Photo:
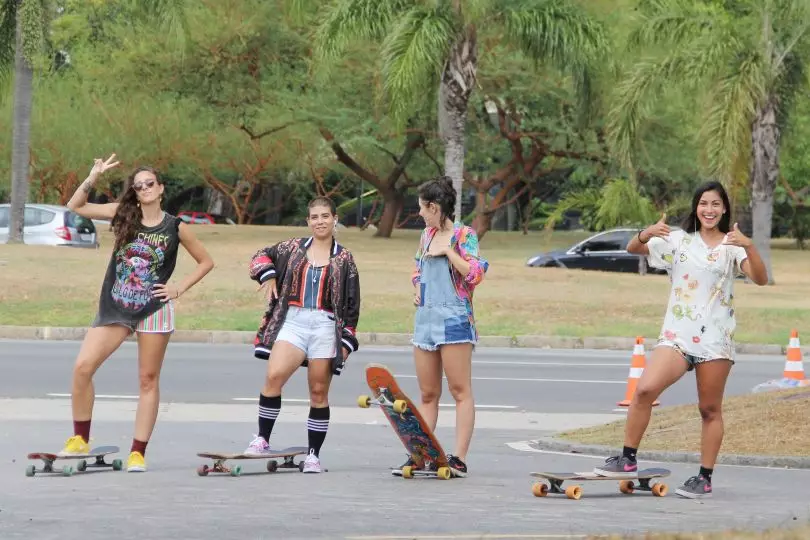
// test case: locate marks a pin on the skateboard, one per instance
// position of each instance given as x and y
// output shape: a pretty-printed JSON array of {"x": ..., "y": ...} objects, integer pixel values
[
  {"x": 626, "y": 485},
  {"x": 413, "y": 431},
  {"x": 272, "y": 466},
  {"x": 98, "y": 453}
]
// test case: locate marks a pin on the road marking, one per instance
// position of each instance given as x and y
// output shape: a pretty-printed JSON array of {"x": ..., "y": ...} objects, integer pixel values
[
  {"x": 101, "y": 396},
  {"x": 524, "y": 446},
  {"x": 295, "y": 400},
  {"x": 565, "y": 364},
  {"x": 520, "y": 379}
]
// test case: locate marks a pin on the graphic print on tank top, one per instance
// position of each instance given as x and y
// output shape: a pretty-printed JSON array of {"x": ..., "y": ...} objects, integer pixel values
[{"x": 136, "y": 270}]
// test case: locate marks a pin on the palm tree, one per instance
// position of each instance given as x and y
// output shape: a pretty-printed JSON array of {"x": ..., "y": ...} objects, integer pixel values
[
  {"x": 745, "y": 59},
  {"x": 430, "y": 51},
  {"x": 23, "y": 27}
]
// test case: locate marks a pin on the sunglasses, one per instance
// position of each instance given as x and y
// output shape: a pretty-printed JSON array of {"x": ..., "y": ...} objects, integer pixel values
[{"x": 143, "y": 185}]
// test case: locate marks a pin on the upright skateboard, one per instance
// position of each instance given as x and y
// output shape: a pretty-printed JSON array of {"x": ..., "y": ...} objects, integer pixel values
[
  {"x": 626, "y": 485},
  {"x": 410, "y": 427},
  {"x": 96, "y": 453},
  {"x": 272, "y": 466}
]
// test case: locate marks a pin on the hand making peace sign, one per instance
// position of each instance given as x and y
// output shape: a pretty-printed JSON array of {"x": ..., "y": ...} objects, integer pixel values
[{"x": 100, "y": 167}]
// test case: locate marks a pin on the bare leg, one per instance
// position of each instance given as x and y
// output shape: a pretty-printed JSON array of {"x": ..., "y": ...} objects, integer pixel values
[
  {"x": 99, "y": 343},
  {"x": 429, "y": 375},
  {"x": 151, "y": 351},
  {"x": 666, "y": 366},
  {"x": 457, "y": 361},
  {"x": 319, "y": 378},
  {"x": 284, "y": 360},
  {"x": 711, "y": 383}
]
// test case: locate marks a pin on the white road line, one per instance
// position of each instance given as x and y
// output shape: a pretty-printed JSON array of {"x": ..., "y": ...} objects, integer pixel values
[
  {"x": 518, "y": 379},
  {"x": 488, "y": 536},
  {"x": 524, "y": 446},
  {"x": 293, "y": 400},
  {"x": 565, "y": 364},
  {"x": 101, "y": 396}
]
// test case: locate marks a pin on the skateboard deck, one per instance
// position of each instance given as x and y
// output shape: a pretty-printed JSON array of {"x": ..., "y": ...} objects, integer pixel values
[
  {"x": 97, "y": 453},
  {"x": 409, "y": 425},
  {"x": 626, "y": 484},
  {"x": 272, "y": 465}
]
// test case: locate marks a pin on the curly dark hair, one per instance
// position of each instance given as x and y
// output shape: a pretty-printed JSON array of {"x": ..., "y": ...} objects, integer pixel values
[
  {"x": 440, "y": 191},
  {"x": 128, "y": 216}
]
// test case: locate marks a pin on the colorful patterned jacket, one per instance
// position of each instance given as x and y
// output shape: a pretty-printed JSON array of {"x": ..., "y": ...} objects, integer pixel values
[
  {"x": 465, "y": 243},
  {"x": 283, "y": 261}
]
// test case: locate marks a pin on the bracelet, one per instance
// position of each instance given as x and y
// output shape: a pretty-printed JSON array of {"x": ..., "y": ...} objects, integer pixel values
[{"x": 639, "y": 238}]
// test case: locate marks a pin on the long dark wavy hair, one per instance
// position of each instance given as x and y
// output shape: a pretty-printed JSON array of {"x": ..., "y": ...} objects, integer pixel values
[
  {"x": 692, "y": 224},
  {"x": 127, "y": 220}
]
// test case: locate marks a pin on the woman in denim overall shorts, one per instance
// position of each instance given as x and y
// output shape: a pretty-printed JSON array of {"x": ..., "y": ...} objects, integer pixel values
[{"x": 448, "y": 268}]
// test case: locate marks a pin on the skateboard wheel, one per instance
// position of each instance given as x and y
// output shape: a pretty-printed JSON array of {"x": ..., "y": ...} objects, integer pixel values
[
  {"x": 300, "y": 466},
  {"x": 400, "y": 406},
  {"x": 573, "y": 492},
  {"x": 444, "y": 473},
  {"x": 67, "y": 471},
  {"x": 659, "y": 490},
  {"x": 626, "y": 486},
  {"x": 202, "y": 470},
  {"x": 272, "y": 465},
  {"x": 81, "y": 466},
  {"x": 30, "y": 470},
  {"x": 363, "y": 402},
  {"x": 539, "y": 489},
  {"x": 236, "y": 471},
  {"x": 117, "y": 464},
  {"x": 407, "y": 472}
]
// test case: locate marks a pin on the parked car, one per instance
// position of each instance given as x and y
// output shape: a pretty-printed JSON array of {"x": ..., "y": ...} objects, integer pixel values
[
  {"x": 204, "y": 218},
  {"x": 51, "y": 225},
  {"x": 605, "y": 251}
]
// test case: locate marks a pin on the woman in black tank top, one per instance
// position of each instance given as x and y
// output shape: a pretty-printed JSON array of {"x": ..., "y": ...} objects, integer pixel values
[{"x": 135, "y": 297}]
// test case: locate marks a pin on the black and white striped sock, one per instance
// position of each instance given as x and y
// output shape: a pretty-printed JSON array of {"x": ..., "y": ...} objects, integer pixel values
[
  {"x": 317, "y": 426},
  {"x": 268, "y": 412}
]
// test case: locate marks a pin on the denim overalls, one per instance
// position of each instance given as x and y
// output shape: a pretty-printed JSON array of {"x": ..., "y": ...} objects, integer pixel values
[{"x": 441, "y": 316}]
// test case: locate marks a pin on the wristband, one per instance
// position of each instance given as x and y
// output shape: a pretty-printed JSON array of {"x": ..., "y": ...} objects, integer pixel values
[{"x": 639, "y": 238}]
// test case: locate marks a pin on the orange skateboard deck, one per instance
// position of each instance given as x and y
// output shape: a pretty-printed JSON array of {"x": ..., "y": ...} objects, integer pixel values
[{"x": 419, "y": 440}]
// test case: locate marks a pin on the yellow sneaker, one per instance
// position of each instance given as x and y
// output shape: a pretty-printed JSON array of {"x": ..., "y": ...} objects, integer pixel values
[
  {"x": 75, "y": 446},
  {"x": 136, "y": 462}
]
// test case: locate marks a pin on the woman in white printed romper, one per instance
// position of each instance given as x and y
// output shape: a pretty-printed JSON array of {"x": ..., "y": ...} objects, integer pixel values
[
  {"x": 702, "y": 260},
  {"x": 135, "y": 297}
]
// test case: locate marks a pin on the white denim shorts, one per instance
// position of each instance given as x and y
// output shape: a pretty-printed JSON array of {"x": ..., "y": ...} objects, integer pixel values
[{"x": 311, "y": 330}]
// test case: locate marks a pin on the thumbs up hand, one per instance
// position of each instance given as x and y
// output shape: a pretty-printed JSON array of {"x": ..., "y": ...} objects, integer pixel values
[
  {"x": 659, "y": 229},
  {"x": 735, "y": 237}
]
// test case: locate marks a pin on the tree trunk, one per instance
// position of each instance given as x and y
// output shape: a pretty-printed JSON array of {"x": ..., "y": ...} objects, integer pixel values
[
  {"x": 392, "y": 206},
  {"x": 458, "y": 80},
  {"x": 765, "y": 135},
  {"x": 23, "y": 97}
]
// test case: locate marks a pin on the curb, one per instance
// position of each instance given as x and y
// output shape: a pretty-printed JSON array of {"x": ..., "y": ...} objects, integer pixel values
[
  {"x": 55, "y": 333},
  {"x": 559, "y": 445}
]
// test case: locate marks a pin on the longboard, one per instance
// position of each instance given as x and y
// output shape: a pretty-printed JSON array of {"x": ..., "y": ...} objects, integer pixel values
[
  {"x": 272, "y": 466},
  {"x": 409, "y": 425},
  {"x": 97, "y": 453},
  {"x": 626, "y": 485}
]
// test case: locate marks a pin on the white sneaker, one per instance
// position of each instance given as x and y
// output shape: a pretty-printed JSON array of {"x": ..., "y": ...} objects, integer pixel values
[
  {"x": 258, "y": 447},
  {"x": 312, "y": 464}
]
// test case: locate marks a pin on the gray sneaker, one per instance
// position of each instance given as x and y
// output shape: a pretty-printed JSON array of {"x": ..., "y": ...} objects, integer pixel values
[
  {"x": 696, "y": 487},
  {"x": 617, "y": 467}
]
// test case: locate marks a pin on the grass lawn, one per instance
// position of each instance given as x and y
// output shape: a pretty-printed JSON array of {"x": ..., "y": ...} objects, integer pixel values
[
  {"x": 755, "y": 424},
  {"x": 801, "y": 532},
  {"x": 53, "y": 286}
]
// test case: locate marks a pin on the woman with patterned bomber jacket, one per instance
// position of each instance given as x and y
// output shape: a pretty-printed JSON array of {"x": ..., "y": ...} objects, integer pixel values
[
  {"x": 448, "y": 268},
  {"x": 313, "y": 293}
]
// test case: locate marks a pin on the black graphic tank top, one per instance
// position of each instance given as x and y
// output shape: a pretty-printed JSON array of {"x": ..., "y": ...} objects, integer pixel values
[{"x": 134, "y": 269}]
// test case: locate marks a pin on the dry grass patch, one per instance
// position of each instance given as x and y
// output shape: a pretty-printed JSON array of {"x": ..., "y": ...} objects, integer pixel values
[
  {"x": 755, "y": 424},
  {"x": 801, "y": 532},
  {"x": 58, "y": 286}
]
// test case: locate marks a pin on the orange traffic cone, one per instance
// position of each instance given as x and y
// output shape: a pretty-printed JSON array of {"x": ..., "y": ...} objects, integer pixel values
[
  {"x": 637, "y": 364},
  {"x": 794, "y": 368}
]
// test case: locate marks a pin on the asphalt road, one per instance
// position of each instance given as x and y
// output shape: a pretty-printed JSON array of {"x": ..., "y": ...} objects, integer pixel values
[{"x": 208, "y": 394}]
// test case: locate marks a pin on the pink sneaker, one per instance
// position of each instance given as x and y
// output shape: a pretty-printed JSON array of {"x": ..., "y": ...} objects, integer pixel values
[
  {"x": 258, "y": 447},
  {"x": 312, "y": 464}
]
